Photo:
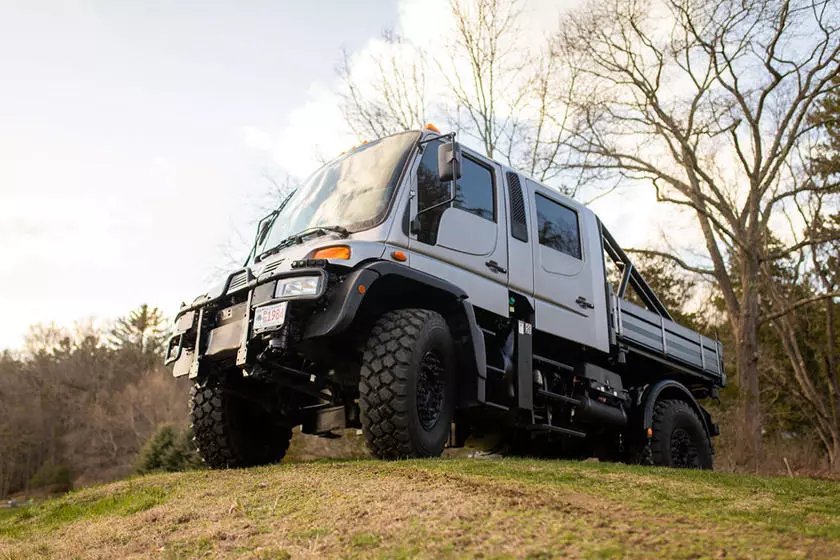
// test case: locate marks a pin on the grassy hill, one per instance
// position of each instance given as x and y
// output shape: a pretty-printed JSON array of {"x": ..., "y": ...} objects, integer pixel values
[{"x": 434, "y": 508}]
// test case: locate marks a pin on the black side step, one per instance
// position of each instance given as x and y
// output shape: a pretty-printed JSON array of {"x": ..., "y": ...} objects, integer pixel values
[
  {"x": 496, "y": 406},
  {"x": 495, "y": 369},
  {"x": 559, "y": 398},
  {"x": 555, "y": 430}
]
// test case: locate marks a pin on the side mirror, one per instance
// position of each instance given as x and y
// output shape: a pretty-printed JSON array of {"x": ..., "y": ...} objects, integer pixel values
[{"x": 449, "y": 161}]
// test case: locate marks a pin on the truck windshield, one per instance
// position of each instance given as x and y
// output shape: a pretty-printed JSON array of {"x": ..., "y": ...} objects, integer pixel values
[{"x": 352, "y": 192}]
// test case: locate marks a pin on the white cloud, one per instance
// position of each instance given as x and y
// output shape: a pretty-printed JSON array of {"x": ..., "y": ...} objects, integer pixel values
[{"x": 255, "y": 138}]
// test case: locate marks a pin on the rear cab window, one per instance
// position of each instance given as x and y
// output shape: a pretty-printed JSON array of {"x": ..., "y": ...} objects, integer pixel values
[{"x": 558, "y": 226}]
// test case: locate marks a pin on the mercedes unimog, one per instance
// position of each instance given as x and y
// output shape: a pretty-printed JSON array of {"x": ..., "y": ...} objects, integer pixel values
[{"x": 422, "y": 292}]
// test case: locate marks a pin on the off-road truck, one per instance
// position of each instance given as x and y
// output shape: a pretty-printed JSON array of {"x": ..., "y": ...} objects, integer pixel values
[{"x": 422, "y": 292}]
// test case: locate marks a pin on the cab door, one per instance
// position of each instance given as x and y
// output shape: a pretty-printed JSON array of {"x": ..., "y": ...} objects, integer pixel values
[
  {"x": 463, "y": 242},
  {"x": 568, "y": 282}
]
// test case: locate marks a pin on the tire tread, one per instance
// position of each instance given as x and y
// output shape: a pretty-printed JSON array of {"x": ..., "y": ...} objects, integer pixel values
[
  {"x": 383, "y": 384},
  {"x": 216, "y": 438},
  {"x": 660, "y": 441}
]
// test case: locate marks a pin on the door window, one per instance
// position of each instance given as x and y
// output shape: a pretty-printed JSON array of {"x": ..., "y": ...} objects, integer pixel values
[
  {"x": 558, "y": 227},
  {"x": 474, "y": 194},
  {"x": 475, "y": 190}
]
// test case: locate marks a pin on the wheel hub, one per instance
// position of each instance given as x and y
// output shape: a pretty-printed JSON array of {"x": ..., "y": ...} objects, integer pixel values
[
  {"x": 431, "y": 386},
  {"x": 683, "y": 450}
]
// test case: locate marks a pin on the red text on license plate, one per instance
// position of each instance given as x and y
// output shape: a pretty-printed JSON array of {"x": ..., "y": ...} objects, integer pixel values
[{"x": 270, "y": 315}]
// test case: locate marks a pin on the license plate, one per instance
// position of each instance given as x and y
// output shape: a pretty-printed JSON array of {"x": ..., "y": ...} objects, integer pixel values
[{"x": 269, "y": 316}]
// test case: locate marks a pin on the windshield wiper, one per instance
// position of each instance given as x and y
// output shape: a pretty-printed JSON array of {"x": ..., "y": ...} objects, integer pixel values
[
  {"x": 298, "y": 238},
  {"x": 335, "y": 229}
]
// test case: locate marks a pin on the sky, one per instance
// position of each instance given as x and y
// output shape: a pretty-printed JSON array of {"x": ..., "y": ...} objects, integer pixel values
[{"x": 135, "y": 138}]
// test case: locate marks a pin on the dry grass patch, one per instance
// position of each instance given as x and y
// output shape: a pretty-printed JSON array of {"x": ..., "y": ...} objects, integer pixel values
[{"x": 427, "y": 509}]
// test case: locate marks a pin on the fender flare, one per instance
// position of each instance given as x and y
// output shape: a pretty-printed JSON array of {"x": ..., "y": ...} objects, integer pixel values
[
  {"x": 652, "y": 394},
  {"x": 346, "y": 299}
]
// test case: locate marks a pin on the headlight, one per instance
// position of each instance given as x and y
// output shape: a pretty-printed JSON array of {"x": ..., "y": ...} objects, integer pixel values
[{"x": 302, "y": 286}]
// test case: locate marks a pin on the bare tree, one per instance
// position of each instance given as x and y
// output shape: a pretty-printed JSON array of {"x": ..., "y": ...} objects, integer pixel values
[
  {"x": 510, "y": 99},
  {"x": 390, "y": 96},
  {"x": 707, "y": 101},
  {"x": 235, "y": 249},
  {"x": 484, "y": 69}
]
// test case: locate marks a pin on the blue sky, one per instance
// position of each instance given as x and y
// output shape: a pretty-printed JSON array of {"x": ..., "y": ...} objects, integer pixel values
[{"x": 125, "y": 157}]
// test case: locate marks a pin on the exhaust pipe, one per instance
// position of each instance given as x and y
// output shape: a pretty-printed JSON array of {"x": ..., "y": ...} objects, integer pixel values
[{"x": 595, "y": 412}]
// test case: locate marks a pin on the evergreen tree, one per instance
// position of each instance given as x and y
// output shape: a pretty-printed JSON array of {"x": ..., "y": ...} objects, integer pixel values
[
  {"x": 825, "y": 162},
  {"x": 143, "y": 330}
]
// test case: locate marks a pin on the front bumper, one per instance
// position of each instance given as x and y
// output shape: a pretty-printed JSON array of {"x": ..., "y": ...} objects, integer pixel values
[{"x": 221, "y": 327}]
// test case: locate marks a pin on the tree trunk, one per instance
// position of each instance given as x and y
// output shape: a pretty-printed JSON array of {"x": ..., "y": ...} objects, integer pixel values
[
  {"x": 748, "y": 433},
  {"x": 834, "y": 456}
]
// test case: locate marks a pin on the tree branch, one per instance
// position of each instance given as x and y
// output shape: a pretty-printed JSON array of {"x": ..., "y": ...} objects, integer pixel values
[
  {"x": 797, "y": 305},
  {"x": 673, "y": 258}
]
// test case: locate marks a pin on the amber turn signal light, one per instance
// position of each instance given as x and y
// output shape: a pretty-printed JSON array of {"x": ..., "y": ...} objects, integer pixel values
[
  {"x": 399, "y": 256},
  {"x": 341, "y": 252}
]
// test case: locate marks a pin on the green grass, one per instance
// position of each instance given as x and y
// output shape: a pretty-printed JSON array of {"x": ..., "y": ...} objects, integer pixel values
[
  {"x": 23, "y": 522},
  {"x": 436, "y": 508}
]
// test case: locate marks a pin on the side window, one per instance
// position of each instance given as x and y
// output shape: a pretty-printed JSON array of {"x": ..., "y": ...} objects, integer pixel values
[
  {"x": 475, "y": 190},
  {"x": 474, "y": 194},
  {"x": 557, "y": 226}
]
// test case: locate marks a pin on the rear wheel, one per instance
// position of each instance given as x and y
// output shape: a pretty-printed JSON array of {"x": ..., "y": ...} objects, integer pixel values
[
  {"x": 679, "y": 438},
  {"x": 231, "y": 430},
  {"x": 406, "y": 391}
]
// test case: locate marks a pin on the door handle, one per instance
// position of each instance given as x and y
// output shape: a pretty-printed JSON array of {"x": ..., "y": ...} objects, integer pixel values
[
  {"x": 494, "y": 266},
  {"x": 583, "y": 302}
]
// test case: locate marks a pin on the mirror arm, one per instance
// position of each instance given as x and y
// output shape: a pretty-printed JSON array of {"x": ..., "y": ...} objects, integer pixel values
[
  {"x": 415, "y": 224},
  {"x": 450, "y": 135},
  {"x": 433, "y": 206}
]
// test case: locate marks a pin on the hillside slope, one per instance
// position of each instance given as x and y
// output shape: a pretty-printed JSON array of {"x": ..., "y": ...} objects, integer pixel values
[{"x": 435, "y": 508}]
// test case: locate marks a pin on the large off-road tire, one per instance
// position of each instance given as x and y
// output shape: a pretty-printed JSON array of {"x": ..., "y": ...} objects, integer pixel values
[
  {"x": 232, "y": 431},
  {"x": 679, "y": 438},
  {"x": 406, "y": 387}
]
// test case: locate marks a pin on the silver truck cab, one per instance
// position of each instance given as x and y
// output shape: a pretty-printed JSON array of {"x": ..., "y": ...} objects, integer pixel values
[{"x": 421, "y": 291}]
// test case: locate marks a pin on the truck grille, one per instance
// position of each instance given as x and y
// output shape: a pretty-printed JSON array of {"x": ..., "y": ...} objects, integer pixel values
[{"x": 271, "y": 267}]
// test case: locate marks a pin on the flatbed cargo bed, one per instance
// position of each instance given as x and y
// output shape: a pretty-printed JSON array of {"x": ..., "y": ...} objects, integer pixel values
[{"x": 640, "y": 329}]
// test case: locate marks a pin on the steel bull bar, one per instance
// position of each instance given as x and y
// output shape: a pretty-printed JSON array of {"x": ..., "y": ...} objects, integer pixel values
[{"x": 234, "y": 329}]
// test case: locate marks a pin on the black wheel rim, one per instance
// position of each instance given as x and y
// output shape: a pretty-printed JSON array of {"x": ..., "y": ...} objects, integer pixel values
[
  {"x": 683, "y": 450},
  {"x": 431, "y": 386}
]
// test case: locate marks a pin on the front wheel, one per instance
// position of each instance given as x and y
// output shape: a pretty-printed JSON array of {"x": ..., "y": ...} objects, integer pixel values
[
  {"x": 406, "y": 392},
  {"x": 679, "y": 438},
  {"x": 232, "y": 430}
]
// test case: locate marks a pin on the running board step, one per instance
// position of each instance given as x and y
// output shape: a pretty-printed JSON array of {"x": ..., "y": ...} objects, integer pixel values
[
  {"x": 496, "y": 406},
  {"x": 559, "y": 398},
  {"x": 555, "y": 430}
]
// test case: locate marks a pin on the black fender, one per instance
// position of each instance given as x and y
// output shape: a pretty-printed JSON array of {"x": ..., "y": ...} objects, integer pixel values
[
  {"x": 342, "y": 304},
  {"x": 672, "y": 389},
  {"x": 345, "y": 300}
]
